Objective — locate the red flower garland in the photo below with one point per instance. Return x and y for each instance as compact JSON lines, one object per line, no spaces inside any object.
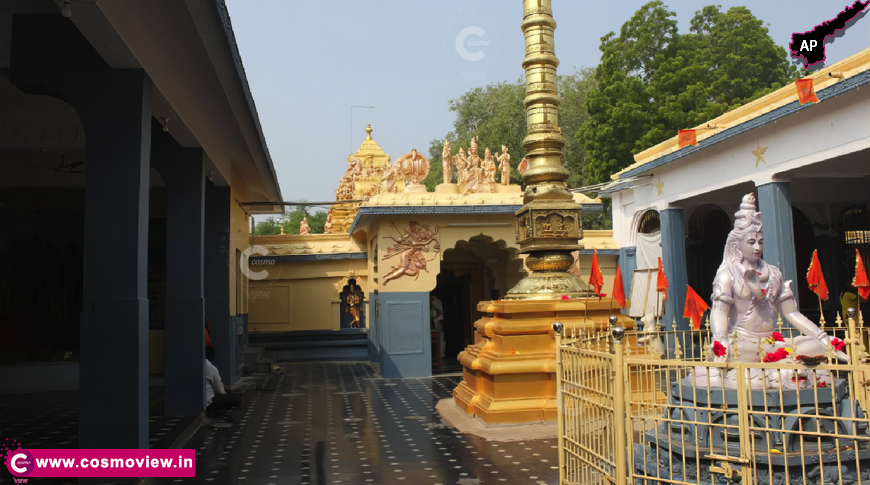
{"x":838,"y":344}
{"x":566,"y":297}
{"x":719,"y":350}
{"x":777,"y":337}
{"x":775,"y":356}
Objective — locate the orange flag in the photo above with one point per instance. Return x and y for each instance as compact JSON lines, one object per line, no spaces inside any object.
{"x":860,"y":280}
{"x":618,"y":289}
{"x":806,"y":93}
{"x":662,"y":281}
{"x":695,"y":307}
{"x":687,"y":137}
{"x":596,"y":279}
{"x":816,"y":279}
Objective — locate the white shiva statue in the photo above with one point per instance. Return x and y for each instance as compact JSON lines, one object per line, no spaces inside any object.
{"x":747,"y":293}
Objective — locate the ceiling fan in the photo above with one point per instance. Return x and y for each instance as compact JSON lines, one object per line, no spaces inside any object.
{"x":72,"y":167}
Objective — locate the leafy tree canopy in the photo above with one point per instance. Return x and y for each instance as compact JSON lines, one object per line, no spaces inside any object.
{"x":495,"y":115}
{"x":290,"y":221}
{"x":653,"y":81}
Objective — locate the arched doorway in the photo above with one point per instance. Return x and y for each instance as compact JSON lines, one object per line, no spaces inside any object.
{"x":709,"y":226}
{"x":475,"y":270}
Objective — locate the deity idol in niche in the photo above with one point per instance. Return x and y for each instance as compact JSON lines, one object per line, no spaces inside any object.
{"x":747,"y":293}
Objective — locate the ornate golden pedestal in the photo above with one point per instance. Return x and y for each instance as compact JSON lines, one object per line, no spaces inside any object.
{"x":509,"y":375}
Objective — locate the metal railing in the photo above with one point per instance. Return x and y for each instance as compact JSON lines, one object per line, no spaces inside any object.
{"x":632,"y":411}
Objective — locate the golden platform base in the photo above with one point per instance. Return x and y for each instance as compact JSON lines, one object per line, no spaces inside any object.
{"x":509,"y":375}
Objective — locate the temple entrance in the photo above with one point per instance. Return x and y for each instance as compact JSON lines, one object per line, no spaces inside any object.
{"x":475,"y":270}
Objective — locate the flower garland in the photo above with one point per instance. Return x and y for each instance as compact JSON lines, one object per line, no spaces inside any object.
{"x":718,"y":349}
{"x":778,"y":354}
{"x":838,"y":344}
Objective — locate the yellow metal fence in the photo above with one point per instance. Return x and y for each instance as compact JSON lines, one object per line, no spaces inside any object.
{"x":656,"y":414}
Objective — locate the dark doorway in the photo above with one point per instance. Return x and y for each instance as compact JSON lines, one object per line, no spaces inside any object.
{"x":708,"y":229}
{"x":454,"y":289}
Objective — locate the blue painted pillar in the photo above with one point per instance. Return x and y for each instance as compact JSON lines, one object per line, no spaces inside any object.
{"x":184,"y":174}
{"x":51,"y":57}
{"x":224,"y":336}
{"x":627,"y":263}
{"x":774,"y":202}
{"x":674,"y":263}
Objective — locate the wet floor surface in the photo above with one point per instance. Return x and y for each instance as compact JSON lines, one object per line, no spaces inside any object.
{"x":332,"y":423}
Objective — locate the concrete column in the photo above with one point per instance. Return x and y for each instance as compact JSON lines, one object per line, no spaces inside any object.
{"x":674,"y":263}
{"x":774,"y":203}
{"x":217,"y":280}
{"x":406,"y":337}
{"x":51,"y":57}
{"x":183,"y":171}
{"x":627,"y":263}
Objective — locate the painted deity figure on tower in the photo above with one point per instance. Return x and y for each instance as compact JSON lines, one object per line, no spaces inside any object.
{"x":303,"y":226}
{"x":489,"y":168}
{"x":504,"y":166}
{"x":447,"y":162}
{"x":461,"y":166}
{"x":413,"y":166}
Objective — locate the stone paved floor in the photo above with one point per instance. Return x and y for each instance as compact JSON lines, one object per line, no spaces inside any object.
{"x":331,"y":423}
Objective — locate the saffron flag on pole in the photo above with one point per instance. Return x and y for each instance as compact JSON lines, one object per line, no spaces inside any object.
{"x":596,"y":279}
{"x":860,"y":280}
{"x":806,"y":92}
{"x":816,"y":279}
{"x":662,"y":282}
{"x":687,"y":137}
{"x":618,"y":289}
{"x":695,"y":307}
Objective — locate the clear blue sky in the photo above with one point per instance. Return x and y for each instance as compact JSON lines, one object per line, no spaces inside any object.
{"x":308,"y":62}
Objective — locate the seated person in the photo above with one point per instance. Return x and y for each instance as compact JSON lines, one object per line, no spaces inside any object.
{"x":218,"y":399}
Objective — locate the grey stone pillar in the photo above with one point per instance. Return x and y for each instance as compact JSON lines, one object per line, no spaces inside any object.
{"x":774,"y":202}
{"x":183,"y":171}
{"x":674,"y":263}
{"x":224,"y":336}
{"x":51,"y":57}
{"x":627,"y":264}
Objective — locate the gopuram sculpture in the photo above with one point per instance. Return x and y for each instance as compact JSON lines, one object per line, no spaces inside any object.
{"x":303,"y":226}
{"x":327,"y":227}
{"x":747,"y":294}
{"x":367,"y":174}
{"x":413,"y":167}
{"x":489,"y":168}
{"x":504,"y":166}
{"x":447,"y":163}
{"x":461,"y":163}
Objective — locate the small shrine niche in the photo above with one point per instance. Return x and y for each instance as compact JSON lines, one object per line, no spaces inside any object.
{"x":352,"y":305}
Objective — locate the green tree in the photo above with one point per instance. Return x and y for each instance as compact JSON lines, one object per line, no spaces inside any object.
{"x":290,"y":221}
{"x":653,"y":81}
{"x":495,"y":115}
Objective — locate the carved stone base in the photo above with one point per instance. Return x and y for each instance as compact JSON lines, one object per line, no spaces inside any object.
{"x":546,"y":285}
{"x":508,"y":189}
{"x":447,"y":189}
{"x":508,"y":376}
{"x":416,"y":189}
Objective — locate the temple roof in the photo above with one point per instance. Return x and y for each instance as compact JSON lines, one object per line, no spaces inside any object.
{"x":369,"y":148}
{"x":768,"y":108}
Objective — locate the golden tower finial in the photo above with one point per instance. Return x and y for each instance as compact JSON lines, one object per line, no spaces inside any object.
{"x":549,"y":224}
{"x":368,"y":132}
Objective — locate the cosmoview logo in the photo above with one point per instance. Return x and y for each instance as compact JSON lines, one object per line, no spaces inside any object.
{"x":472,"y":44}
{"x":462,"y":41}
{"x":19,"y":462}
{"x":244,"y":264}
